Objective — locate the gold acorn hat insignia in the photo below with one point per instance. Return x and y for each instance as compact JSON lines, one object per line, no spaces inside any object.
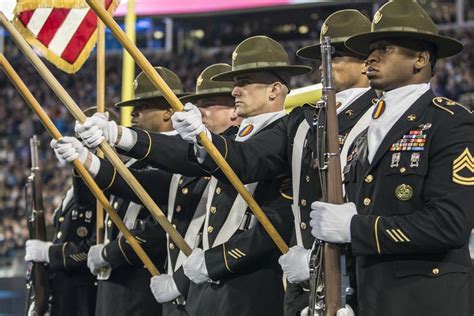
{"x":199,"y":81}
{"x":377,"y":17}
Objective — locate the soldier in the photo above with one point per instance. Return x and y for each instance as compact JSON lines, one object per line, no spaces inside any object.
{"x":74,"y":222}
{"x":216,"y":105}
{"x":354,"y":97}
{"x":73,"y":291}
{"x":238,"y":263}
{"x":125,"y":291}
{"x":409,"y":177}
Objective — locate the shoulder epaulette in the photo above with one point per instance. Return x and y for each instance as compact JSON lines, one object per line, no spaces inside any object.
{"x":446,"y":104}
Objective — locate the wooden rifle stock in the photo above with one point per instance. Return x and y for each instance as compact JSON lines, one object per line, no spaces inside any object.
{"x":40,"y":274}
{"x":334,"y":195}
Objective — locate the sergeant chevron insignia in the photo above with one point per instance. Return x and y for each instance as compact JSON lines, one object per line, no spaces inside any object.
{"x":463,"y":168}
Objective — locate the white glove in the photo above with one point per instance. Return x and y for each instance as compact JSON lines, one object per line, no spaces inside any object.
{"x":188,"y":123}
{"x":37,"y":250}
{"x":195,"y":268}
{"x":332,"y":222}
{"x":345,"y":311}
{"x":164,"y":288}
{"x":96,"y":128}
{"x":68,"y":149}
{"x":295,"y":264}
{"x":95,"y":260}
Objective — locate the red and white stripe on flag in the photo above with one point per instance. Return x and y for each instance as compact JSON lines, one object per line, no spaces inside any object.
{"x":64,"y":30}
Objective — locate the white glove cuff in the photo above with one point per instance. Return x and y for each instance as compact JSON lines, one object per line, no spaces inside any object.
{"x":128,"y":138}
{"x":94,"y":166}
{"x":46,"y":251}
{"x":199,"y":151}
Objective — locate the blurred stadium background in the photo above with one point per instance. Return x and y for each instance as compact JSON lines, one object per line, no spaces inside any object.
{"x":185,"y":36}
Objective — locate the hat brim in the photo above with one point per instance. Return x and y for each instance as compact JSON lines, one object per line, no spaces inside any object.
{"x":294,"y":70}
{"x":148,"y":100}
{"x":313,"y":52}
{"x":194,"y":97}
{"x":446,"y":46}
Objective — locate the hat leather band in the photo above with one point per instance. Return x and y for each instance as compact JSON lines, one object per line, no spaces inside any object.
{"x":214,"y":90}
{"x":259,"y":64}
{"x":402,"y":29}
{"x":154,"y":94}
{"x":336,"y":40}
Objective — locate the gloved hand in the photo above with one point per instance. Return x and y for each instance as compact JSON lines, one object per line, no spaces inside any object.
{"x":332,"y":222}
{"x":345,"y":311}
{"x":95,"y":260}
{"x":295,"y":264}
{"x":195,"y":268}
{"x":68,"y":149}
{"x":37,"y":250}
{"x":96,"y":128}
{"x":164,"y":288}
{"x":188,"y":123}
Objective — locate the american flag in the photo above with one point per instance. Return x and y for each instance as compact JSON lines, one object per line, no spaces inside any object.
{"x":64,"y":30}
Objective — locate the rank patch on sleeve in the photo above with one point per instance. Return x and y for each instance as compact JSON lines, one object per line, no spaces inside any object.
{"x":463,"y":168}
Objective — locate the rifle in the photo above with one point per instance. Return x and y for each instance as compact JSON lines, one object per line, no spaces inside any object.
{"x":328,"y":288}
{"x":38,"y":276}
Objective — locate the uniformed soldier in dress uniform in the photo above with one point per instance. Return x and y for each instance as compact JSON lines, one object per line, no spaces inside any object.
{"x":125,"y":291}
{"x":73,"y":288}
{"x":187,"y":204}
{"x":74,"y":222}
{"x":237,"y":274}
{"x":409,"y":177}
{"x":354,"y":97}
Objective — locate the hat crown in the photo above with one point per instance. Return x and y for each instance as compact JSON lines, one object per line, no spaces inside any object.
{"x":204,"y":84}
{"x":259,"y":52}
{"x":403,"y":15}
{"x":343,"y":24}
{"x":144,"y":88}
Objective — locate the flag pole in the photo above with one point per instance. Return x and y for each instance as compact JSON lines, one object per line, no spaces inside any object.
{"x":100,"y":56}
{"x":54,"y":132}
{"x":128,"y":65}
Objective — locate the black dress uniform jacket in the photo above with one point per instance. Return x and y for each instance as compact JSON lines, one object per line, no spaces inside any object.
{"x":73,"y":288}
{"x":156,"y":182}
{"x":416,"y":213}
{"x":127,"y":290}
{"x":245,"y":266}
{"x":270,"y":153}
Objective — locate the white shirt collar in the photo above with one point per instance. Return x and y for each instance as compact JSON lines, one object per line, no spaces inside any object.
{"x":170,"y":133}
{"x":251,"y":125}
{"x":346,"y":97}
{"x":397,"y":102}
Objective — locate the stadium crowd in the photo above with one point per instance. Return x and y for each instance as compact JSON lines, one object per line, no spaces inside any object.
{"x":454,"y":79}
